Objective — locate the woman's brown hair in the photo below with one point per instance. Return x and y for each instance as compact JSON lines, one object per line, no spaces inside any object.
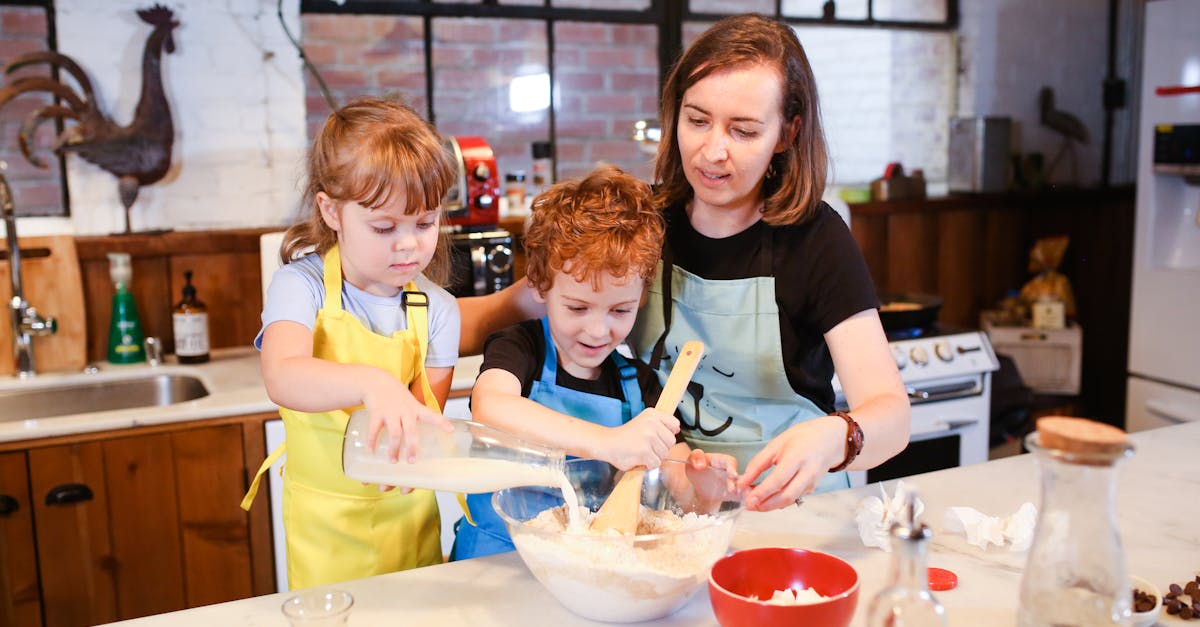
{"x":795,"y":180}
{"x":604,"y":222}
{"x":365,"y":152}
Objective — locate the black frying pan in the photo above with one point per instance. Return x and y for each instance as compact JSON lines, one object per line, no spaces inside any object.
{"x":908,"y":310}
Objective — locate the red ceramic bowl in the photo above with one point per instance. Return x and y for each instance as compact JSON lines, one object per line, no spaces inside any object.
{"x":760,"y":572}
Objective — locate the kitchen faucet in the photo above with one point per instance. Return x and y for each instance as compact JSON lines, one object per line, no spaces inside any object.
{"x":24,"y":319}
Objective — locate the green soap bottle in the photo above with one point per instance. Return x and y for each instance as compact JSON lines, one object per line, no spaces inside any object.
{"x":125,"y":331}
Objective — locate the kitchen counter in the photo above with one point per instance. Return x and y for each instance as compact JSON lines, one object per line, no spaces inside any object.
{"x":1157,"y":513}
{"x":232,"y":377}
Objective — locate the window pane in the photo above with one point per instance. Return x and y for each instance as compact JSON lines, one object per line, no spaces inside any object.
{"x":491,"y":80}
{"x":607,"y":79}
{"x":911,"y":10}
{"x":739,"y":6}
{"x":886,"y":96}
{"x":843,"y":9}
{"x":359,"y":55}
{"x":36,"y":192}
{"x":613,"y":5}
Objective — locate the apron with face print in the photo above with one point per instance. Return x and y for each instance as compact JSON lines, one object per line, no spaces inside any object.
{"x":739,"y":398}
{"x":488,"y":535}
{"x":337,"y":528}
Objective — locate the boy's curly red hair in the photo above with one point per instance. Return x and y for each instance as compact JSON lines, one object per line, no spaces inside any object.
{"x":604,"y":222}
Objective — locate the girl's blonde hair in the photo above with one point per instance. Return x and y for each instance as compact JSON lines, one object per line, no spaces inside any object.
{"x":795,"y":180}
{"x":365,"y":152}
{"x":604,"y":222}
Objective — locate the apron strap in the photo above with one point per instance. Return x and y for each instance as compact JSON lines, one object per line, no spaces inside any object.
{"x":257,"y":481}
{"x":416,"y":308}
{"x":667,"y":299}
{"x":629,"y":385}
{"x":550,"y":360}
{"x":333,"y":279}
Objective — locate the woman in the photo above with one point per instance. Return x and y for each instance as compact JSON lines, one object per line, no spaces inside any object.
{"x":760,"y":270}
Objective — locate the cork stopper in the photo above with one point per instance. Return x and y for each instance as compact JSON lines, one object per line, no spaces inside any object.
{"x":1080,"y":436}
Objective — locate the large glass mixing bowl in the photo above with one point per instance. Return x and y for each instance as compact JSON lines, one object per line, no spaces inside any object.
{"x":687,"y":524}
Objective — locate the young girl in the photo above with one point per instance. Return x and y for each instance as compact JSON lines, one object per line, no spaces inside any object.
{"x":356,"y":319}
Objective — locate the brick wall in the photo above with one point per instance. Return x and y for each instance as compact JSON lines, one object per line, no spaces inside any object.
{"x":606,"y":79}
{"x":35,"y":191}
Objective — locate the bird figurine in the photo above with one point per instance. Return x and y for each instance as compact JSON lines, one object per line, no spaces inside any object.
{"x":137,"y":154}
{"x":1067,"y":125}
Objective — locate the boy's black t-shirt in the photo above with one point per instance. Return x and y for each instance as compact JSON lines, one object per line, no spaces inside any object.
{"x":821,"y":278}
{"x":521,"y":350}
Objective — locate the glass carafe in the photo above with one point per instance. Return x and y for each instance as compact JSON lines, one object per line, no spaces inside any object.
{"x":474,"y":458}
{"x":907,"y":601}
{"x":1075,"y":573}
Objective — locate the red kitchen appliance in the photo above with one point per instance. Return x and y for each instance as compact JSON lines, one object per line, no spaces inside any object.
{"x":473,"y":198}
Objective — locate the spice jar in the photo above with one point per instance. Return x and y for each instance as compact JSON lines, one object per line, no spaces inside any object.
{"x":514,"y":190}
{"x":543,"y":152}
{"x":1075,"y":573}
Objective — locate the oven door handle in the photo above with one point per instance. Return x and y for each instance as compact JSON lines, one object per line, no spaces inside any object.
{"x":945,"y":392}
{"x":944,"y":427}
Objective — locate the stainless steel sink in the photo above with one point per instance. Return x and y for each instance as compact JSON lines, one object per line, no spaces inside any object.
{"x":93,"y":396}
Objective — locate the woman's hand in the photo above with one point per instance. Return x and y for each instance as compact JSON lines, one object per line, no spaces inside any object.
{"x":800,"y":457}
{"x":643,"y":441}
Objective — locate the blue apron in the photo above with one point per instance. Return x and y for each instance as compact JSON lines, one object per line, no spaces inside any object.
{"x":740,"y":394}
{"x":488,"y":535}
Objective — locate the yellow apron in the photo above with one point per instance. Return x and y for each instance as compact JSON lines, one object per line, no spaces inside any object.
{"x":338,"y":529}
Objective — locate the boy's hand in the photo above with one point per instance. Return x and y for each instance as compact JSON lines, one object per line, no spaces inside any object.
{"x":389,"y":403}
{"x":643,"y":441}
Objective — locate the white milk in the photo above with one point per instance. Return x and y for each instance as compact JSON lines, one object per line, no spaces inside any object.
{"x":467,"y":475}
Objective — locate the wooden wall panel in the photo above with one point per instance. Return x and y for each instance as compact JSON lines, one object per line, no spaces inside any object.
{"x":870,"y":232}
{"x":960,"y":265}
{"x":912,"y":241}
{"x":230,"y":286}
{"x":1005,"y":256}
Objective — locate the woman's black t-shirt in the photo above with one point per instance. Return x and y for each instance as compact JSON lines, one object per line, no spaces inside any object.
{"x":820,"y":275}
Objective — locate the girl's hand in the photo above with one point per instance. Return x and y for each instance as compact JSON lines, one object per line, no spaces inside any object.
{"x":643,"y":441}
{"x":800,"y":456}
{"x":389,"y":403}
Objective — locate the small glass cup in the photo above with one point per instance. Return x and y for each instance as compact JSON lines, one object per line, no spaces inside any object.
{"x":318,"y":608}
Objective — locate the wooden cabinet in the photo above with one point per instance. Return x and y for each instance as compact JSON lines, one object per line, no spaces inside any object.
{"x":117,"y":526}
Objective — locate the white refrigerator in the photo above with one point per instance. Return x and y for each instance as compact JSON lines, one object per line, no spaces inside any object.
{"x":1164,"y":339}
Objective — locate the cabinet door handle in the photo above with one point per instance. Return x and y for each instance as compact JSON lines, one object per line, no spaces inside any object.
{"x":8,"y":505}
{"x":68,"y":493}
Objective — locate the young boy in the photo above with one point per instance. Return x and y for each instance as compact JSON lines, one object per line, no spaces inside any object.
{"x":592,"y":246}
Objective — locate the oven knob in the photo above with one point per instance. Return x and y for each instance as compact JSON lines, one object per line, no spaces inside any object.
{"x":481,"y":172}
{"x":485,"y":201}
{"x":901,"y":359}
{"x":499,"y":259}
{"x":942,"y":350}
{"x":919,"y":356}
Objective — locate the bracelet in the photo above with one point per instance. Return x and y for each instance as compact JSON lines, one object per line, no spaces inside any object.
{"x":854,"y":440}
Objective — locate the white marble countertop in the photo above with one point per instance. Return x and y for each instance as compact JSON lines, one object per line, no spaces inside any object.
{"x":1157,"y":512}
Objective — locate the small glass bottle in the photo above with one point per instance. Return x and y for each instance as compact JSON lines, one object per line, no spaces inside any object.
{"x":543,"y":177}
{"x":514,"y":191}
{"x":190,"y":322}
{"x":907,"y":601}
{"x":1075,"y":573}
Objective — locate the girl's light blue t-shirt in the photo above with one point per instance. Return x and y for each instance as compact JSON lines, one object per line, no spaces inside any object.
{"x":297,"y":291}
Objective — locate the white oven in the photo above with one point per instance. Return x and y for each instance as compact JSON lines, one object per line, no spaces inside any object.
{"x":948,"y":376}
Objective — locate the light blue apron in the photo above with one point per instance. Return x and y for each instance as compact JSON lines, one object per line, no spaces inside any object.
{"x":488,"y":535}
{"x":740,"y":397}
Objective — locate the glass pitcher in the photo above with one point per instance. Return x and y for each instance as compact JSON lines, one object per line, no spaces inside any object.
{"x":1075,"y":573}
{"x":472,"y":459}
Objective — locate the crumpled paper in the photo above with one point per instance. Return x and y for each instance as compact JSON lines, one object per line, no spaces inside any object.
{"x":982,"y":530}
{"x":875,"y":516}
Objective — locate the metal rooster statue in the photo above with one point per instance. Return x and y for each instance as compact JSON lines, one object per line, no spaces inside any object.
{"x":137,"y":154}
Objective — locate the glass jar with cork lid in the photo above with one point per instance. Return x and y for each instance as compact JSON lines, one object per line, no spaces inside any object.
{"x":1075,"y":573}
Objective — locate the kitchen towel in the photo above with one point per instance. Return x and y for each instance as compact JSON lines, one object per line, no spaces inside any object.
{"x":982,"y":530}
{"x":875,"y":515}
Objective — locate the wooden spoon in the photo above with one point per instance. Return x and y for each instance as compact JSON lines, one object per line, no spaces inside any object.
{"x":619,"y":512}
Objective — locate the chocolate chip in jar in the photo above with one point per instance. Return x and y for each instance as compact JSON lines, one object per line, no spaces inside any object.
{"x":1143,"y":601}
